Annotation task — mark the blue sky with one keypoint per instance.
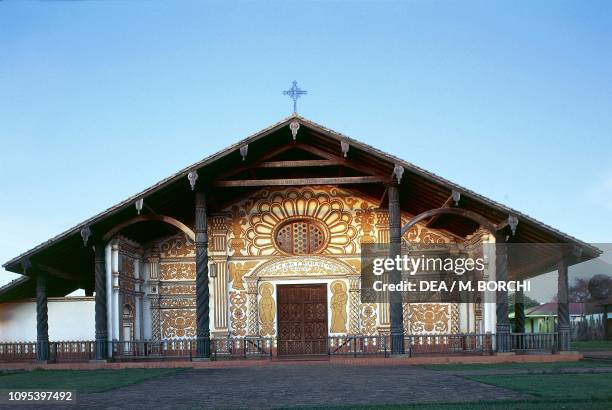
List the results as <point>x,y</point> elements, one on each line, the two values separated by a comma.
<point>99,100</point>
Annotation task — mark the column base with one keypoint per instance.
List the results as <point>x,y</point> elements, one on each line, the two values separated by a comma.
<point>504,353</point>
<point>42,361</point>
<point>570,352</point>
<point>200,359</point>
<point>398,346</point>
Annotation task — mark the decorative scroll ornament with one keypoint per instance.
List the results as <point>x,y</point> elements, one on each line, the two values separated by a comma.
<point>238,313</point>
<point>365,220</point>
<point>294,127</point>
<point>192,176</point>
<point>513,223</point>
<point>177,246</point>
<point>237,242</point>
<point>456,197</point>
<point>398,171</point>
<point>139,203</point>
<point>177,289</point>
<point>177,271</point>
<point>85,234</point>
<point>344,146</point>
<point>244,150</point>
<point>418,234</point>
<point>180,302</point>
<point>178,323</point>
<point>429,318</point>
<point>368,318</point>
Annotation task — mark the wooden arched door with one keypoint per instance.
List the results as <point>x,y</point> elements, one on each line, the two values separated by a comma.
<point>302,319</point>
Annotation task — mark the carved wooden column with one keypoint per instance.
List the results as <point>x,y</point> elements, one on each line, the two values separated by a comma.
<point>202,291</point>
<point>100,301</point>
<point>519,312</point>
<point>395,298</point>
<point>42,320</point>
<point>563,314</point>
<point>502,336</point>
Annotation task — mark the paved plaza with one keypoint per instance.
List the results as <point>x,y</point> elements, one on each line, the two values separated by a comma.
<point>291,385</point>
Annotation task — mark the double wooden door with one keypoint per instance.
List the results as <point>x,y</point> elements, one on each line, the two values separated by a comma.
<point>302,319</point>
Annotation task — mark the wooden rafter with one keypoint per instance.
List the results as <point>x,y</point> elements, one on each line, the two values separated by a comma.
<point>383,198</point>
<point>263,158</point>
<point>342,161</point>
<point>299,181</point>
<point>300,163</point>
<point>447,204</point>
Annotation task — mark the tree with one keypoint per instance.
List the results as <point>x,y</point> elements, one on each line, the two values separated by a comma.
<point>594,289</point>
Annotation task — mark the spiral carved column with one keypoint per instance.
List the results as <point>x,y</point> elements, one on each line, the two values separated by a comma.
<point>519,312</point>
<point>42,320</point>
<point>396,309</point>
<point>563,315</point>
<point>202,292</point>
<point>100,301</point>
<point>502,336</point>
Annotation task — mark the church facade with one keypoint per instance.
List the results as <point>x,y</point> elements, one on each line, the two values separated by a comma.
<point>275,237</point>
<point>263,241</point>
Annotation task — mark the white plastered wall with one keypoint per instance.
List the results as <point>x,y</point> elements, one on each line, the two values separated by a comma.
<point>69,319</point>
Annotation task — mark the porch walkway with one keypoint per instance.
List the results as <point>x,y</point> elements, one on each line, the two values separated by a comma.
<point>334,360</point>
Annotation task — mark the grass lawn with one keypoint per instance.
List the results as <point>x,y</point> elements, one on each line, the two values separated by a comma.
<point>556,386</point>
<point>83,381</point>
<point>498,405</point>
<point>593,346</point>
<point>494,366</point>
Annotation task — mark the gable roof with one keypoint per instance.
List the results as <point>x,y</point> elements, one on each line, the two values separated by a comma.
<point>426,190</point>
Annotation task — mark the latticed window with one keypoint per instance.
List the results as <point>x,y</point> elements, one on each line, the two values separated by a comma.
<point>300,237</point>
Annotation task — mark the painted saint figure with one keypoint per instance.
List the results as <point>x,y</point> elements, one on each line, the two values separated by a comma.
<point>267,308</point>
<point>338,307</point>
